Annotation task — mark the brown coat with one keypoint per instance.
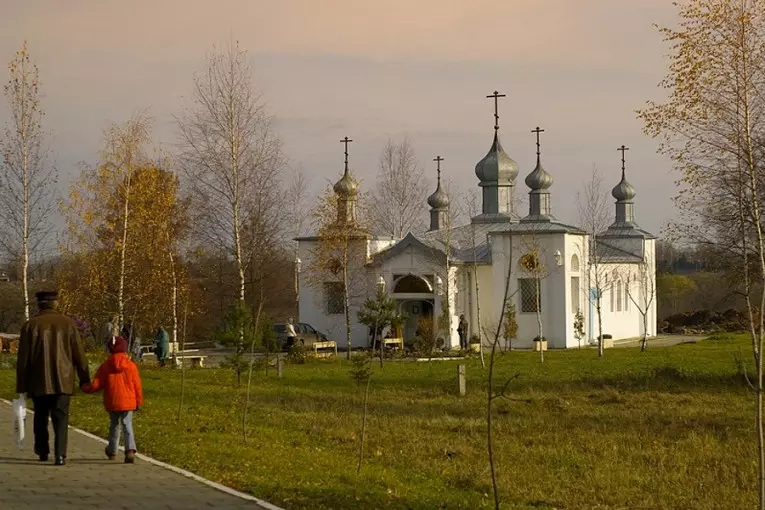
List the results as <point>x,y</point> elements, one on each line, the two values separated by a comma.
<point>49,352</point>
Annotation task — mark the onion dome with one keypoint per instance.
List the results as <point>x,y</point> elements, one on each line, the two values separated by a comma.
<point>347,185</point>
<point>624,191</point>
<point>539,179</point>
<point>439,199</point>
<point>496,166</point>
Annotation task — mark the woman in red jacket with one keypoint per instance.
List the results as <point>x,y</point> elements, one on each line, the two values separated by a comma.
<point>119,379</point>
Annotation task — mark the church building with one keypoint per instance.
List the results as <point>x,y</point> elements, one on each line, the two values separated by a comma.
<point>550,271</point>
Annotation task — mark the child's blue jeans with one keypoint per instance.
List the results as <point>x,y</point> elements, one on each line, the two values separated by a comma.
<point>124,418</point>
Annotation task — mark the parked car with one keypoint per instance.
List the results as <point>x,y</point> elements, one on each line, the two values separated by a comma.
<point>306,334</point>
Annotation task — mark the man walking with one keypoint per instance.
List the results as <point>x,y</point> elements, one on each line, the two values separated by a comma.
<point>50,351</point>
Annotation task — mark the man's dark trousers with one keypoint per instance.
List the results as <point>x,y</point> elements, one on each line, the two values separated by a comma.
<point>57,408</point>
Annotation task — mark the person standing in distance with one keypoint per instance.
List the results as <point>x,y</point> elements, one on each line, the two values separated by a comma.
<point>50,350</point>
<point>291,334</point>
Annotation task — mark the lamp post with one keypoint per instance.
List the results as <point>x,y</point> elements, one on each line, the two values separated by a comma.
<point>298,268</point>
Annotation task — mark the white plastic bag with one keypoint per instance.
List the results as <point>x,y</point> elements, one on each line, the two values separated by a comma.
<point>19,419</point>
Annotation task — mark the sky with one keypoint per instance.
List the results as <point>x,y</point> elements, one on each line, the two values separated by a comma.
<point>373,70</point>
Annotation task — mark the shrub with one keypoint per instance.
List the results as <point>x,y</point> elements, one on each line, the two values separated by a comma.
<point>298,355</point>
<point>361,368</point>
<point>537,339</point>
<point>606,336</point>
<point>475,339</point>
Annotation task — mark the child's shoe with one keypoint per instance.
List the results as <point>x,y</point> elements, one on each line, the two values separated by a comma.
<point>130,457</point>
<point>109,455</point>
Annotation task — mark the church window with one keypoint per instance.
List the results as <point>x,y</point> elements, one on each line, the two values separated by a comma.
<point>619,296</point>
<point>627,296</point>
<point>574,263</point>
<point>575,308</point>
<point>611,295</point>
<point>334,298</point>
<point>529,301</point>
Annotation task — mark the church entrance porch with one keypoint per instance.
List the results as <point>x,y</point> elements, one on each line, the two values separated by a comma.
<point>415,310</point>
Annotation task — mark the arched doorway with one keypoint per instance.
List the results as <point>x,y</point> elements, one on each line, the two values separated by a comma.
<point>415,310</point>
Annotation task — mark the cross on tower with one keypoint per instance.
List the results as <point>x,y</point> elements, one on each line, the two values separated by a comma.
<point>538,131</point>
<point>496,95</point>
<point>346,141</point>
<point>623,149</point>
<point>438,160</point>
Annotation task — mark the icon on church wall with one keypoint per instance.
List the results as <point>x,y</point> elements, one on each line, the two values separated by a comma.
<point>415,310</point>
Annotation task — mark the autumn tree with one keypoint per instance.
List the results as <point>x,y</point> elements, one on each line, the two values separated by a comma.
<point>711,127</point>
<point>594,218</point>
<point>397,205</point>
<point>233,160</point>
<point>26,177</point>
<point>94,282</point>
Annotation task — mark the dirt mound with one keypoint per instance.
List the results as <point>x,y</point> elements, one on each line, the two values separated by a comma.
<point>704,321</point>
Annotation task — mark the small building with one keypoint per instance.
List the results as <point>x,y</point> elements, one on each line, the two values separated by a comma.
<point>554,267</point>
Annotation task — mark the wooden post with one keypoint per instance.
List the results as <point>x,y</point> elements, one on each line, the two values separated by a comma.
<point>279,367</point>
<point>461,379</point>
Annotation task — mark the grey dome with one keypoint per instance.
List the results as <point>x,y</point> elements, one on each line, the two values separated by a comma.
<point>624,191</point>
<point>439,199</point>
<point>539,179</point>
<point>347,185</point>
<point>496,166</point>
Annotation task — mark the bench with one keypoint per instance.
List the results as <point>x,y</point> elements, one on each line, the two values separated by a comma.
<point>195,361</point>
<point>396,343</point>
<point>324,345</point>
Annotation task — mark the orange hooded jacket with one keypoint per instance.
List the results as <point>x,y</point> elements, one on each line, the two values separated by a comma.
<point>118,377</point>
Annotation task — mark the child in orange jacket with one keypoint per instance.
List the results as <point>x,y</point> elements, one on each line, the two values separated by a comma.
<point>123,394</point>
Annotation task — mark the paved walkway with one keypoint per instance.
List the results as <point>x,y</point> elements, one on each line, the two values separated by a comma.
<point>89,481</point>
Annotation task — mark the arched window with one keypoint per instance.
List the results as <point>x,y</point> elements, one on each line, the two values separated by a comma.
<point>412,284</point>
<point>575,263</point>
<point>619,296</point>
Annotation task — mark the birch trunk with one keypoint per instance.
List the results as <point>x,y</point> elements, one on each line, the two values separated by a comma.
<point>123,247</point>
<point>25,233</point>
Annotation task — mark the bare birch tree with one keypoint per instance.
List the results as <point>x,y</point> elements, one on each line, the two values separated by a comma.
<point>26,177</point>
<point>641,290</point>
<point>122,157</point>
<point>593,212</point>
<point>233,160</point>
<point>473,209</point>
<point>711,126</point>
<point>398,203</point>
<point>299,214</point>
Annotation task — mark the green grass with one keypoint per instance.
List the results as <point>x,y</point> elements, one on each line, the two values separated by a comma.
<point>669,428</point>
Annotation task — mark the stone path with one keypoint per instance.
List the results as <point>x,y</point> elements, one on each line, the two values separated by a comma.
<point>89,481</point>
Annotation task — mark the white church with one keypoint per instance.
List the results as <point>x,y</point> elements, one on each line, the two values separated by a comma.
<point>469,263</point>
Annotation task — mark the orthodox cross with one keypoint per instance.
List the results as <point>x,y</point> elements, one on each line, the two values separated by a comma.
<point>346,141</point>
<point>496,95</point>
<point>538,131</point>
<point>438,160</point>
<point>623,149</point>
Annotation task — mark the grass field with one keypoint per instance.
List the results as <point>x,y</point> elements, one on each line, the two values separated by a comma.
<point>669,428</point>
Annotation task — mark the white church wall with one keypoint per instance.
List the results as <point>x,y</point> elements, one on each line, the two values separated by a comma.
<point>552,287</point>
<point>467,304</point>
<point>621,318</point>
<point>575,258</point>
<point>313,305</point>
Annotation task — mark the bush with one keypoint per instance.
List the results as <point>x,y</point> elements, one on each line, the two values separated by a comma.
<point>606,336</point>
<point>537,339</point>
<point>361,368</point>
<point>298,355</point>
<point>7,362</point>
<point>475,339</point>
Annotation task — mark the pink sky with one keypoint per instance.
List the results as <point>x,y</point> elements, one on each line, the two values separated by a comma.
<point>371,70</point>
